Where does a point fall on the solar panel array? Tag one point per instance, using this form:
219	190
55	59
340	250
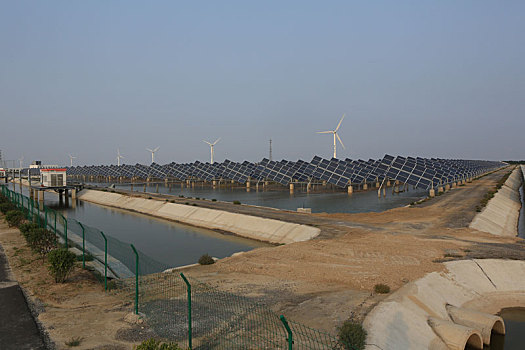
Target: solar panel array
422	173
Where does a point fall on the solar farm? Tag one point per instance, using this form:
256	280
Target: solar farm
421	173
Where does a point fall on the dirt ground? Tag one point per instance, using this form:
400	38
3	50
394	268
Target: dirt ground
77	309
320	283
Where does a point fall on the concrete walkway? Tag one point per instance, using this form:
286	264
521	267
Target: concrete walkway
18	330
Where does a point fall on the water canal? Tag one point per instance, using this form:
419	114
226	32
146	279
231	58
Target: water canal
514	339
165	241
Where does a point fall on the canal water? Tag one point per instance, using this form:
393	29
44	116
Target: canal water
329	202
167	242
515	328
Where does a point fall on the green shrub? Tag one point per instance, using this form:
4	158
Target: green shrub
14	217
381	288
26	227
181	196
236	202
197	198
213	200
152	344
352	334
41	241
206	260
75	341
7	206
61	262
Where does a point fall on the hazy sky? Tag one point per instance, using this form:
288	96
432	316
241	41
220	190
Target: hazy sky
426	78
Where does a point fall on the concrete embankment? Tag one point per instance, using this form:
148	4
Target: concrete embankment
448	310
501	214
269	230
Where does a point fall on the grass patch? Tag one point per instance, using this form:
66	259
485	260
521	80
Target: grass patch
237	202
75	341
353	334
206	260
381	288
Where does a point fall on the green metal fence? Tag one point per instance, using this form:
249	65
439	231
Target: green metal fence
176	307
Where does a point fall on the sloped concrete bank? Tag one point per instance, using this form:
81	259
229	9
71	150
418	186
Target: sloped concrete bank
501	214
262	229
448	310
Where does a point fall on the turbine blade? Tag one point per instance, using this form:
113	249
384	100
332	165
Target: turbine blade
217	141
338	125
325	132
341	142
150	150
206	142
156	149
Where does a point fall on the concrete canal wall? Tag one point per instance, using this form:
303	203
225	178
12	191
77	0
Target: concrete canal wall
501	214
448	310
268	230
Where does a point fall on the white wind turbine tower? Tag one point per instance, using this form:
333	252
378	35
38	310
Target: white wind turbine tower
211	147
71	160
21	160
119	156
153	153
335	136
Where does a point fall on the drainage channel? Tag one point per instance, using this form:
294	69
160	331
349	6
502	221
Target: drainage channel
167	242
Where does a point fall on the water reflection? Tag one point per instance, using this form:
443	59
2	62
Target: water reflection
329	202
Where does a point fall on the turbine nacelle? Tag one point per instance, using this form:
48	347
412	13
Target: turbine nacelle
336	136
211	147
153	153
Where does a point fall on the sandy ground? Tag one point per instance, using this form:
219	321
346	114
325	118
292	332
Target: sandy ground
77	309
320	283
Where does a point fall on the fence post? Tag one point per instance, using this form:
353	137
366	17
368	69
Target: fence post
65	230
55	224
290	335
105	260
136	279
188	285
83	246
45	217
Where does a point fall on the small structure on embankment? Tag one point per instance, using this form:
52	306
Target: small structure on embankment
501	214
262	229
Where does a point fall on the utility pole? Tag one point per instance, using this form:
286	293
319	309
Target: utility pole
270	150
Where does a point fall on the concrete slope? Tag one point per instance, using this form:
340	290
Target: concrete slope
419	316
269	230
500	216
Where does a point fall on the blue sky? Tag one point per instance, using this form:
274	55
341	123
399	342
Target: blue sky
426	78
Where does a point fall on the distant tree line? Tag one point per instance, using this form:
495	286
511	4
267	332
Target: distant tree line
515	161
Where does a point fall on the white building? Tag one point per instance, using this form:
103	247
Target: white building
53	177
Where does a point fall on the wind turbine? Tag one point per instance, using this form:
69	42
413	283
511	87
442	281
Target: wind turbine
71	159
211	147
119	156
153	153
21	160
335	136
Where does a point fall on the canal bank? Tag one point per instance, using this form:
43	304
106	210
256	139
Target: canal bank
258	228
501	214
